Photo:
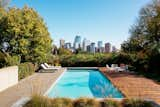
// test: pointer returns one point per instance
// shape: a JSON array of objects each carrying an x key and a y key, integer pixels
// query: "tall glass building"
[
  {"x": 107, "y": 47},
  {"x": 77, "y": 42},
  {"x": 100, "y": 44},
  {"x": 62, "y": 43},
  {"x": 85, "y": 44},
  {"x": 92, "y": 47},
  {"x": 100, "y": 47}
]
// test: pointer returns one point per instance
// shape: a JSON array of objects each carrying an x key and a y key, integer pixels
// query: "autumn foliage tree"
[
  {"x": 24, "y": 33},
  {"x": 145, "y": 38}
]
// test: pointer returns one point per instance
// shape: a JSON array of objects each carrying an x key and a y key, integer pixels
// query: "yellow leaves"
[
  {"x": 13, "y": 42},
  {"x": 23, "y": 42},
  {"x": 24, "y": 51},
  {"x": 26, "y": 33},
  {"x": 2, "y": 12}
]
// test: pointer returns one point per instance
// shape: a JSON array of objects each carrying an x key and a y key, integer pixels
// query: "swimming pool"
[{"x": 83, "y": 83}]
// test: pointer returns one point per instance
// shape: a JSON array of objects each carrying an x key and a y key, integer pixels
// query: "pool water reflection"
[{"x": 84, "y": 83}]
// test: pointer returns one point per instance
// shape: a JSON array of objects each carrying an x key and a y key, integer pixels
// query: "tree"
[
  {"x": 24, "y": 33},
  {"x": 146, "y": 31},
  {"x": 54, "y": 50},
  {"x": 63, "y": 51},
  {"x": 145, "y": 38}
]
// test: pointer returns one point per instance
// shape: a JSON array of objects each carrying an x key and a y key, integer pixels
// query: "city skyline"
[
  {"x": 87, "y": 45},
  {"x": 93, "y": 19}
]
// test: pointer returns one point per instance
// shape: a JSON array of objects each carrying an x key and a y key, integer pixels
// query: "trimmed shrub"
[
  {"x": 86, "y": 102},
  {"x": 110, "y": 103},
  {"x": 92, "y": 60},
  {"x": 136, "y": 103},
  {"x": 121, "y": 58},
  {"x": 2, "y": 60},
  {"x": 12, "y": 60},
  {"x": 25, "y": 69},
  {"x": 154, "y": 63},
  {"x": 53, "y": 60},
  {"x": 7, "y": 60}
]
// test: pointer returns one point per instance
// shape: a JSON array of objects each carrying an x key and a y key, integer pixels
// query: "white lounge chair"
[
  {"x": 114, "y": 65},
  {"x": 112, "y": 68},
  {"x": 48, "y": 66},
  {"x": 48, "y": 69},
  {"x": 123, "y": 68}
]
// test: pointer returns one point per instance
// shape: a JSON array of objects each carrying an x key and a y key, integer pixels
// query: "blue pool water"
[{"x": 84, "y": 83}]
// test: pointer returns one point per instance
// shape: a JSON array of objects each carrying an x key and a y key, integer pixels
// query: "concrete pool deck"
[
  {"x": 38, "y": 83},
  {"x": 134, "y": 86}
]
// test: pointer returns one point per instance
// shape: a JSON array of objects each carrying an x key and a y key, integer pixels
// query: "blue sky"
[{"x": 106, "y": 20}]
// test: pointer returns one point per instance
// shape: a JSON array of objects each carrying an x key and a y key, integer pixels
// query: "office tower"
[
  {"x": 77, "y": 42},
  {"x": 62, "y": 43},
  {"x": 96, "y": 49},
  {"x": 114, "y": 49},
  {"x": 107, "y": 47},
  {"x": 68, "y": 45},
  {"x": 88, "y": 48},
  {"x": 85, "y": 44},
  {"x": 100, "y": 46},
  {"x": 92, "y": 47},
  {"x": 102, "y": 49}
]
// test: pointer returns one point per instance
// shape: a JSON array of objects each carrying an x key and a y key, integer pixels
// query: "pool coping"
[
  {"x": 54, "y": 83},
  {"x": 94, "y": 68},
  {"x": 79, "y": 68}
]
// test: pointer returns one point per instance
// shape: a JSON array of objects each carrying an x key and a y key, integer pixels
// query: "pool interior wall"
[{"x": 75, "y": 83}]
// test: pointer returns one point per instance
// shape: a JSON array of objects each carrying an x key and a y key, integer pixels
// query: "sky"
[{"x": 96, "y": 20}]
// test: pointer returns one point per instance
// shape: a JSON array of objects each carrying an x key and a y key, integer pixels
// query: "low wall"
[{"x": 8, "y": 77}]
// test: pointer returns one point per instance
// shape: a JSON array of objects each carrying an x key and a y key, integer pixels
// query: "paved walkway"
[
  {"x": 133, "y": 86},
  {"x": 37, "y": 83}
]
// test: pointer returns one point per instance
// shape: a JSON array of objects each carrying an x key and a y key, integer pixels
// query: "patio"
[{"x": 38, "y": 83}]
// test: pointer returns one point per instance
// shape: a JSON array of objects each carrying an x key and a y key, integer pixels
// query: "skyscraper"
[
  {"x": 107, "y": 47},
  {"x": 62, "y": 43},
  {"x": 92, "y": 47},
  {"x": 100, "y": 44},
  {"x": 114, "y": 49},
  {"x": 89, "y": 48},
  {"x": 77, "y": 42},
  {"x": 68, "y": 45},
  {"x": 85, "y": 44}
]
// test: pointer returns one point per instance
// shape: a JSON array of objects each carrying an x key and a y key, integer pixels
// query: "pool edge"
[
  {"x": 79, "y": 68},
  {"x": 54, "y": 83},
  {"x": 94, "y": 68}
]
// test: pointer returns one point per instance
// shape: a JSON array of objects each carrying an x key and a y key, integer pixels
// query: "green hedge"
[
  {"x": 2, "y": 60},
  {"x": 139, "y": 62},
  {"x": 94, "y": 60},
  {"x": 25, "y": 69},
  {"x": 7, "y": 60}
]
